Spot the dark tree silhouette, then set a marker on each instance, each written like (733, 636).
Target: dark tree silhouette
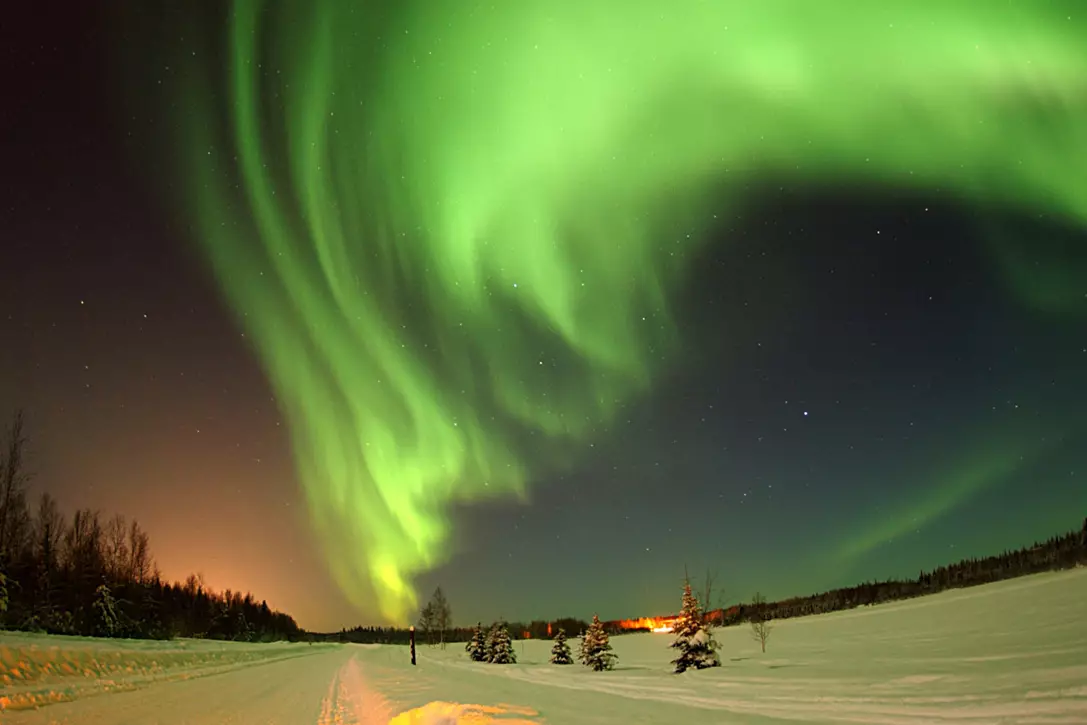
(90, 575)
(426, 621)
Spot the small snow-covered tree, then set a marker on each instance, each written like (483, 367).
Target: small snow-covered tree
(107, 623)
(477, 646)
(696, 645)
(488, 643)
(501, 647)
(560, 652)
(596, 651)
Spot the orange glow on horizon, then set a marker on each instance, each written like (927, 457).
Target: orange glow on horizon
(653, 624)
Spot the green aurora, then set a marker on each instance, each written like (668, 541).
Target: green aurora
(422, 214)
(986, 464)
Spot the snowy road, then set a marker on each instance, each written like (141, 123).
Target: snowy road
(316, 686)
(1013, 652)
(297, 690)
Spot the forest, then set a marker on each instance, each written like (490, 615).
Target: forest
(1058, 552)
(93, 575)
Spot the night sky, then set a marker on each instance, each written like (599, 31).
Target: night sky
(848, 377)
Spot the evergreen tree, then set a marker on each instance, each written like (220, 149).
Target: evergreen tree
(243, 632)
(596, 651)
(501, 647)
(488, 643)
(477, 646)
(696, 645)
(106, 620)
(560, 652)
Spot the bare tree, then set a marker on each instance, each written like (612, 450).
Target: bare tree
(19, 533)
(192, 585)
(708, 606)
(14, 521)
(442, 614)
(705, 597)
(48, 536)
(116, 549)
(141, 566)
(427, 618)
(760, 625)
(48, 532)
(83, 547)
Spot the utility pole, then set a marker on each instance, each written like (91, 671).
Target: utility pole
(413, 644)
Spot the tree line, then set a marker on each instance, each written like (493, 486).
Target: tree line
(537, 629)
(93, 575)
(1058, 552)
(1065, 551)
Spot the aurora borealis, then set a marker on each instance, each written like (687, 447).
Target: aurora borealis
(470, 243)
(515, 168)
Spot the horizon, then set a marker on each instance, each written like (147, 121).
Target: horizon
(770, 601)
(349, 349)
(596, 323)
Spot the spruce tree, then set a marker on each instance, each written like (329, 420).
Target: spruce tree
(488, 643)
(501, 646)
(243, 631)
(477, 647)
(560, 652)
(596, 651)
(107, 623)
(696, 645)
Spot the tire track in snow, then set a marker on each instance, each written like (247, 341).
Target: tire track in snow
(352, 701)
(355, 699)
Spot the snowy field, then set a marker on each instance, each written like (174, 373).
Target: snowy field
(1013, 652)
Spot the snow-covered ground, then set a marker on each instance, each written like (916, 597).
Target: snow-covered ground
(1013, 652)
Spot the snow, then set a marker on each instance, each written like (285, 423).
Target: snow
(1012, 652)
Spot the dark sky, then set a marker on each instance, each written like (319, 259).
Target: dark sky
(862, 392)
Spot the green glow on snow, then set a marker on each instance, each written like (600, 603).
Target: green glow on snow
(446, 224)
